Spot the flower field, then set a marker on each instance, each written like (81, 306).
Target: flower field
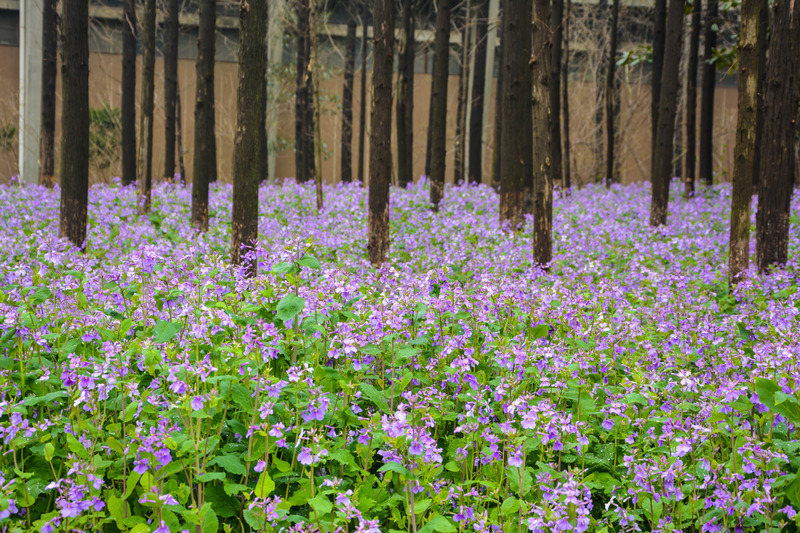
(145, 386)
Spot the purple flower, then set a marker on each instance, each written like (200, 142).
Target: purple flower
(608, 424)
(163, 456)
(416, 448)
(305, 456)
(161, 528)
(197, 403)
(140, 465)
(260, 465)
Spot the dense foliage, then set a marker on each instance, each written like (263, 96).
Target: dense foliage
(146, 387)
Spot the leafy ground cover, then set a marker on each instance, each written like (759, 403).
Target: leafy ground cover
(147, 387)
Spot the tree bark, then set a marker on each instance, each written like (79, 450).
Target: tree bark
(659, 29)
(763, 44)
(128, 111)
(263, 145)
(316, 105)
(380, 148)
(74, 122)
(516, 146)
(439, 102)
(49, 73)
(557, 25)
(567, 180)
(475, 167)
(777, 142)
(666, 114)
(706, 170)
(610, 94)
(463, 90)
(205, 144)
(498, 110)
(146, 106)
(599, 82)
(244, 223)
(362, 119)
(429, 131)
(170, 88)
(744, 152)
(347, 100)
(405, 96)
(691, 102)
(302, 95)
(179, 137)
(542, 131)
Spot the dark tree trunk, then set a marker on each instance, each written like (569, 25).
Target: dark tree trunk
(611, 94)
(170, 88)
(263, 146)
(316, 106)
(128, 111)
(205, 144)
(706, 171)
(516, 146)
(666, 114)
(179, 137)
(691, 101)
(405, 96)
(601, 36)
(146, 107)
(74, 122)
(302, 96)
(475, 168)
(498, 112)
(461, 106)
(763, 44)
(557, 25)
(362, 119)
(49, 72)
(347, 100)
(542, 131)
(429, 139)
(567, 181)
(744, 152)
(659, 29)
(439, 103)
(777, 142)
(244, 222)
(380, 148)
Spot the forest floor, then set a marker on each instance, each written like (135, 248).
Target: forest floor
(144, 386)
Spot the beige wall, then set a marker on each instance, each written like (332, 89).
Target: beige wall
(105, 75)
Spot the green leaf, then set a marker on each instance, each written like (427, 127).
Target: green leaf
(290, 306)
(210, 476)
(321, 504)
(310, 262)
(76, 447)
(165, 331)
(437, 523)
(771, 395)
(140, 528)
(344, 457)
(49, 450)
(375, 396)
(210, 522)
(229, 462)
(47, 398)
(743, 332)
(265, 486)
(422, 506)
(395, 467)
(541, 331)
(232, 489)
(510, 506)
(792, 491)
(117, 509)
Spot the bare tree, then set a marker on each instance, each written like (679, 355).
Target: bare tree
(542, 140)
(438, 123)
(170, 88)
(313, 64)
(303, 128)
(481, 17)
(463, 89)
(146, 107)
(557, 25)
(380, 156)
(205, 144)
(362, 119)
(610, 94)
(49, 73)
(659, 36)
(708, 90)
(567, 178)
(405, 95)
(691, 100)
(347, 99)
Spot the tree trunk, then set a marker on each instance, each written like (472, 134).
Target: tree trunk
(557, 24)
(691, 102)
(567, 180)
(244, 222)
(205, 144)
(439, 102)
(763, 44)
(498, 111)
(429, 139)
(542, 131)
(516, 146)
(777, 142)
(659, 29)
(707, 104)
(744, 152)
(405, 96)
(463, 94)
(128, 111)
(313, 65)
(146, 106)
(49, 73)
(610, 94)
(475, 167)
(380, 147)
(74, 122)
(362, 119)
(602, 33)
(179, 137)
(170, 88)
(263, 145)
(302, 96)
(666, 114)
(347, 100)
